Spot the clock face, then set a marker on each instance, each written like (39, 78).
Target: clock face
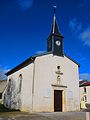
(58, 43)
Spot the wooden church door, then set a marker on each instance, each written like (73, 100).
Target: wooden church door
(57, 101)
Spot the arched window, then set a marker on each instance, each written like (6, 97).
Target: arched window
(20, 83)
(9, 86)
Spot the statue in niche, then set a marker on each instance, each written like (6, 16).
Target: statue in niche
(59, 73)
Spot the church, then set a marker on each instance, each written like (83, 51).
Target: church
(46, 82)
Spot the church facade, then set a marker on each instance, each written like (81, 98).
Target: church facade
(47, 82)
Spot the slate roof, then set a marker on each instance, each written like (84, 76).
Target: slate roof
(82, 82)
(85, 84)
(55, 29)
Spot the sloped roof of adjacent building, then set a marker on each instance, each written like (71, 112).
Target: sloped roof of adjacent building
(85, 84)
(31, 59)
(82, 82)
(3, 84)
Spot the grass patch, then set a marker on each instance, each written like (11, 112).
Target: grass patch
(4, 109)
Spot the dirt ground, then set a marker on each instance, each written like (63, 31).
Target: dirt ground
(43, 116)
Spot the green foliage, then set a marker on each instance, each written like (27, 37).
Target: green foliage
(4, 109)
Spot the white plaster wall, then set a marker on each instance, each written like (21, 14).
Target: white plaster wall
(45, 76)
(26, 90)
(88, 93)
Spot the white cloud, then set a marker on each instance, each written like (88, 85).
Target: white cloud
(75, 25)
(82, 33)
(85, 76)
(39, 52)
(25, 4)
(6, 69)
(85, 36)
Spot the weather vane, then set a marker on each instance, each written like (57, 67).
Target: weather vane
(54, 7)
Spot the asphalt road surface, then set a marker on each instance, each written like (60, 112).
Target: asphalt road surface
(43, 116)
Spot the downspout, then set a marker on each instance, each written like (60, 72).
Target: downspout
(33, 85)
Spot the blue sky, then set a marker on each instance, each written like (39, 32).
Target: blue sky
(25, 26)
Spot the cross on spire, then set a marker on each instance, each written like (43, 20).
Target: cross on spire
(55, 28)
(54, 7)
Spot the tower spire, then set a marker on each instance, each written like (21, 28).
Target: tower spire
(55, 39)
(55, 28)
(54, 8)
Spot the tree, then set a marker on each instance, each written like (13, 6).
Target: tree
(12, 99)
(2, 75)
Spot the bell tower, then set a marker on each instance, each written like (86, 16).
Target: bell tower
(55, 39)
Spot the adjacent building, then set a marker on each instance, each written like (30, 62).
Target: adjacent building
(85, 95)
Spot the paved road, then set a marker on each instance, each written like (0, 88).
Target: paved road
(43, 116)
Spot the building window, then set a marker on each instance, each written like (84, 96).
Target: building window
(84, 89)
(85, 98)
(20, 83)
(0, 95)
